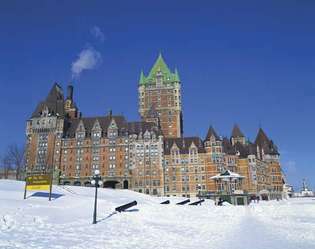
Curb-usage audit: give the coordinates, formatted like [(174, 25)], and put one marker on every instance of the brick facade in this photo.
[(149, 156)]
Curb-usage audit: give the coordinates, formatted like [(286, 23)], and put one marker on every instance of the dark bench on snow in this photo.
[(126, 206), (183, 202), (197, 202), (220, 202), (165, 202)]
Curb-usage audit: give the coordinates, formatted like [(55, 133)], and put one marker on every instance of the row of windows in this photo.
[(70, 143), (147, 173), (94, 158), (42, 144), (147, 183), (94, 150)]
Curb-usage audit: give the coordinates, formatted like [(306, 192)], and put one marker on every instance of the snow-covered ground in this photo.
[(66, 222)]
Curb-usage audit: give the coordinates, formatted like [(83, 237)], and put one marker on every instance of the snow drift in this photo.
[(66, 222)]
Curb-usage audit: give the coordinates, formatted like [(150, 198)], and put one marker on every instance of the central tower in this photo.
[(160, 98)]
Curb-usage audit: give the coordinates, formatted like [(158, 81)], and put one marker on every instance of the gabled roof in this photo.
[(183, 144), (123, 126), (88, 122), (236, 132), (211, 132)]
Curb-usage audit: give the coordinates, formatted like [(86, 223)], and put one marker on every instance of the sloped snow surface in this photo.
[(66, 222)]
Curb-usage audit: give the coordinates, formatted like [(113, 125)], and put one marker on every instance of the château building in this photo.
[(160, 98), (152, 155)]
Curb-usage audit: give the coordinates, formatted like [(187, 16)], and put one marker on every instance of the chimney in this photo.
[(70, 92)]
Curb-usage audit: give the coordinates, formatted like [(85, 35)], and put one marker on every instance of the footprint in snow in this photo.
[(7, 222)]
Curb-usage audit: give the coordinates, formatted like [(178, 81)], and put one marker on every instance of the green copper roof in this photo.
[(142, 78), (176, 75), (159, 67)]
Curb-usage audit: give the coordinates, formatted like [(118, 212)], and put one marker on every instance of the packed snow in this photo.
[(66, 221)]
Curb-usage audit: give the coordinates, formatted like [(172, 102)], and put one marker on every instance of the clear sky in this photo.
[(246, 62)]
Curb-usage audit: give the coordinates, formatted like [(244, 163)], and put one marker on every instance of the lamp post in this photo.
[(199, 190), (96, 180)]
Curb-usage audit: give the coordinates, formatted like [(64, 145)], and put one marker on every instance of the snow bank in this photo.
[(65, 222)]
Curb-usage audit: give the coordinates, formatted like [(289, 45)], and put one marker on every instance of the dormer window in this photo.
[(80, 135), (159, 78), (96, 134)]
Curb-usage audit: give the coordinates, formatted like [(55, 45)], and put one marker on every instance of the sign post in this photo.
[(38, 182), (50, 186)]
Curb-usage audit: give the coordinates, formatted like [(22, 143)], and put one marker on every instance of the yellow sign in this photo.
[(37, 187), (38, 182)]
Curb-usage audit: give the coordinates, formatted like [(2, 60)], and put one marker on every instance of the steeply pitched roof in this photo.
[(176, 75), (273, 149), (88, 122), (183, 144), (123, 126), (142, 78), (54, 102), (236, 132), (142, 127), (261, 137), (265, 143), (211, 132), (228, 147), (55, 93), (159, 67)]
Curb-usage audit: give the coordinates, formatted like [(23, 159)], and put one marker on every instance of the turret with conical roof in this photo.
[(142, 78), (211, 134), (161, 89), (237, 136), (261, 138), (265, 146)]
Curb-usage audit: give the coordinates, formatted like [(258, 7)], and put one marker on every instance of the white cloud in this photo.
[(97, 33), (88, 59)]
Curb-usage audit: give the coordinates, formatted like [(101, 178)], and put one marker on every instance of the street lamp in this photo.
[(199, 190), (96, 180)]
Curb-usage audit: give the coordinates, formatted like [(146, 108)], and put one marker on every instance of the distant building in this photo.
[(151, 156), (305, 191)]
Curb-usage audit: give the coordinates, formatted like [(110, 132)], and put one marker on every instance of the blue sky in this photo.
[(245, 62)]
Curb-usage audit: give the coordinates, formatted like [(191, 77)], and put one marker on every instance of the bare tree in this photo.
[(13, 159), (16, 155), (6, 165)]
